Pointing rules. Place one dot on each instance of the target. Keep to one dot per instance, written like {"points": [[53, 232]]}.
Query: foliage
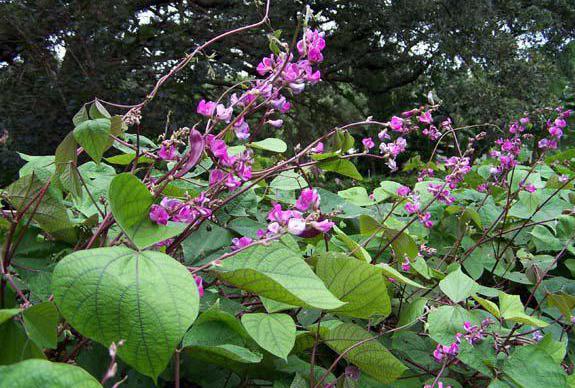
{"points": [[212, 257]]}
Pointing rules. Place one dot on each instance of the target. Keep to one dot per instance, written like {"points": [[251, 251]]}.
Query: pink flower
{"points": [[556, 131], [318, 149], [238, 243], [530, 188], [223, 113], [406, 265], [383, 135], [323, 226], [524, 120], [561, 123], [200, 284], [167, 152], [425, 219], [425, 118], [368, 143], [403, 191], [563, 178], [159, 215], [206, 108], [242, 130], [308, 198], [216, 176], [296, 226], [396, 124], [412, 207], [276, 123]]}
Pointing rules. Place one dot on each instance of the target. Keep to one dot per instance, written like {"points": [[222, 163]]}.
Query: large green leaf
{"points": [[215, 327], [458, 286], [15, 344], [445, 322], [355, 282], [146, 298], [43, 374], [273, 332], [6, 314], [341, 166], [94, 137], [40, 322], [278, 273], [529, 366], [512, 309], [130, 201], [357, 250], [371, 356]]}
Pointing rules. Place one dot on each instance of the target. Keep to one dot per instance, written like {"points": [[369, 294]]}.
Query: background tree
{"points": [[486, 59]]}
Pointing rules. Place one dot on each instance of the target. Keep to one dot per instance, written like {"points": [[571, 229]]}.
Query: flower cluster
{"points": [[232, 171], [279, 72], [175, 210], [555, 129], [295, 221], [413, 206], [473, 335]]}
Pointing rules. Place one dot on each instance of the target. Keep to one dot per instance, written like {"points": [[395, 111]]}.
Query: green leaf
{"points": [[110, 294], [125, 159], [6, 314], [40, 322], [270, 144], [94, 137], [529, 366], [488, 305], [42, 374], [512, 309], [288, 181], [412, 311], [16, 346], [371, 356], [273, 332], [544, 240], [359, 196], [81, 116], [565, 303], [215, 327], [444, 322], [50, 214], [341, 166], [273, 306], [391, 272], [358, 251], [97, 111], [278, 273], [355, 282], [556, 349], [130, 202], [206, 241], [228, 356], [458, 286]]}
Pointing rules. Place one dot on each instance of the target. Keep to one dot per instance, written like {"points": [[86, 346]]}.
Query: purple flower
{"points": [[223, 113], [368, 143], [406, 265], [242, 129], [159, 215], [425, 219], [238, 243], [559, 122], [530, 188], [537, 336], [167, 151], [206, 108], [323, 226], [308, 198], [318, 149], [276, 123], [556, 131], [296, 226], [403, 191], [200, 284], [396, 124], [524, 120], [412, 207], [425, 118]]}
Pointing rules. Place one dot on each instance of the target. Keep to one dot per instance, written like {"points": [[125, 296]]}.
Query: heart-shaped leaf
{"points": [[146, 298], [278, 273], [273, 332], [355, 282], [42, 373], [94, 137], [130, 201]]}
